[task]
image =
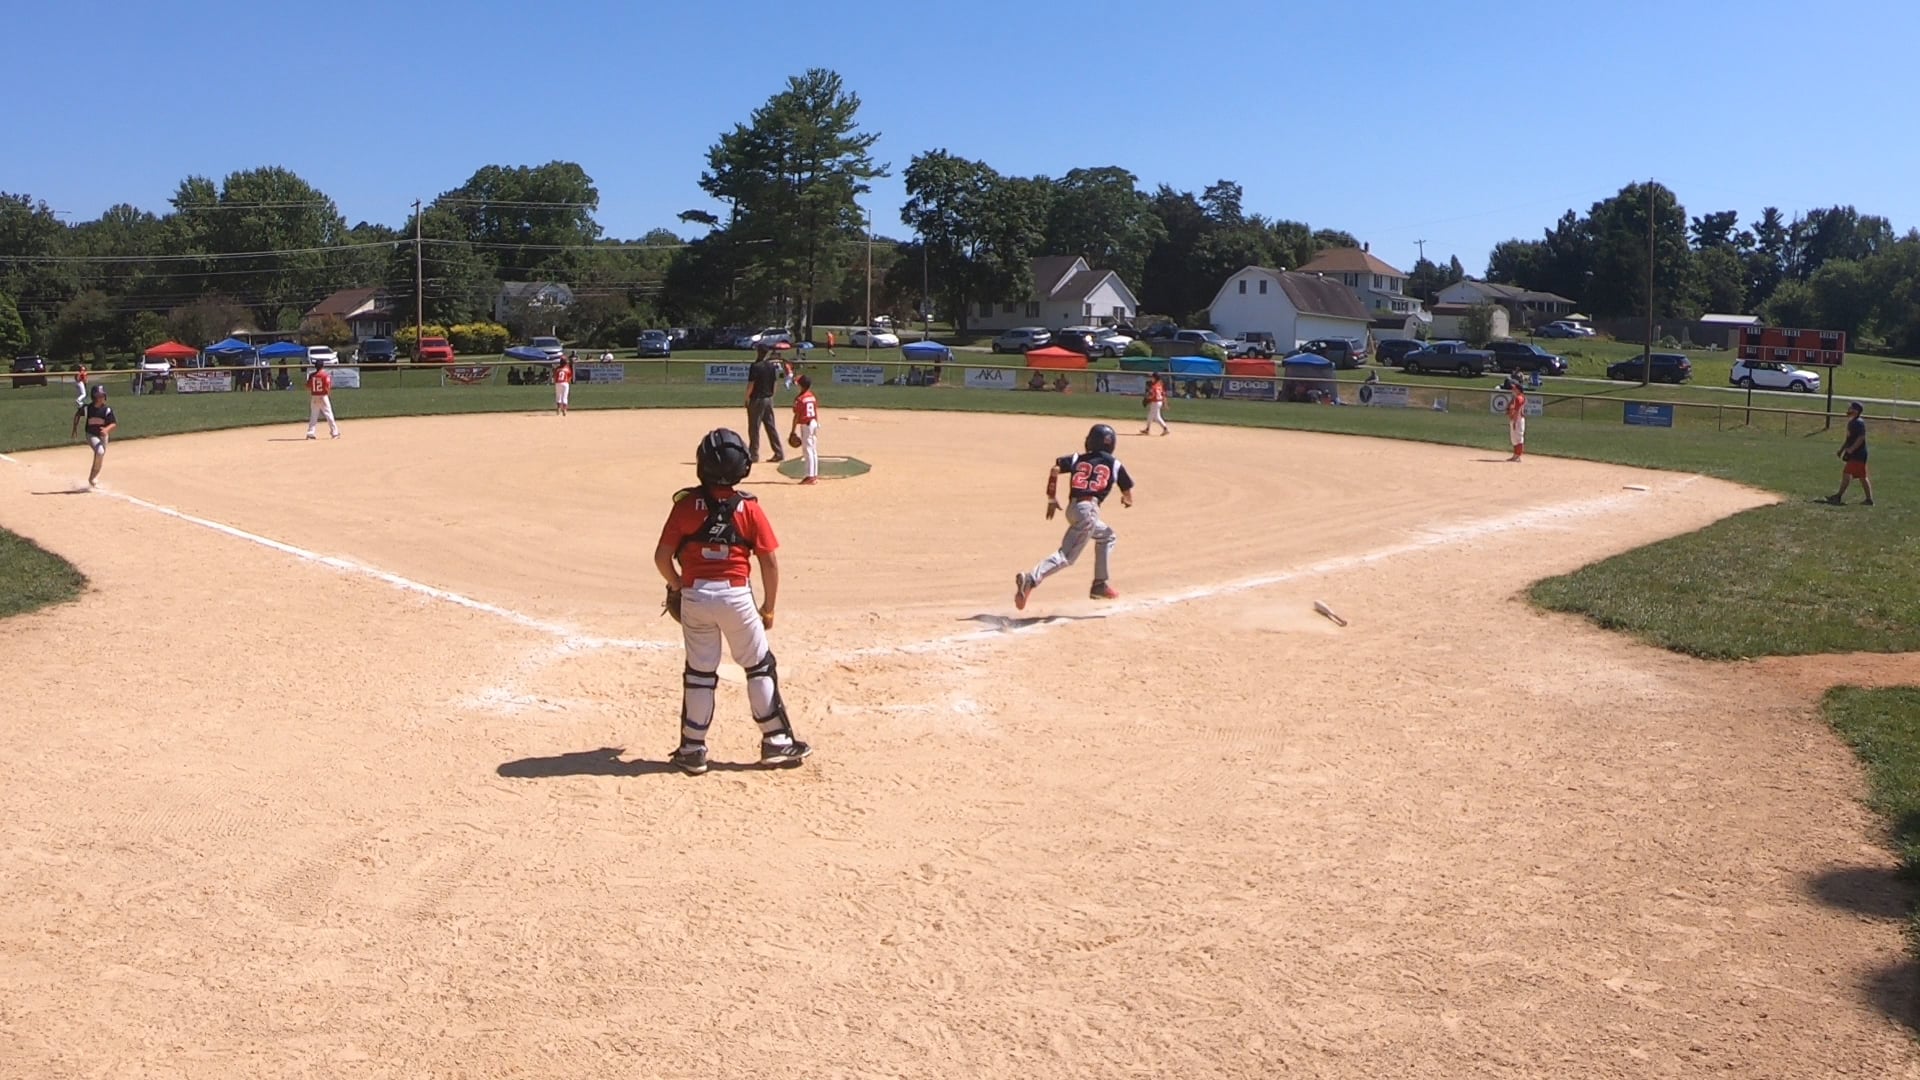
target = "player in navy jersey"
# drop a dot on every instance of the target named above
(101, 424)
(1853, 455)
(1091, 477)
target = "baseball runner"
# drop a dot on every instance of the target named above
(1517, 418)
(805, 435)
(1091, 477)
(1156, 402)
(562, 384)
(1853, 455)
(703, 556)
(100, 424)
(320, 400)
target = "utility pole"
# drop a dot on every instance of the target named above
(1422, 244)
(419, 283)
(926, 296)
(869, 280)
(1646, 351)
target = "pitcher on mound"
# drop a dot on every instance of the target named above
(703, 554)
(1092, 476)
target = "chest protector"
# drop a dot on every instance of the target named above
(719, 528)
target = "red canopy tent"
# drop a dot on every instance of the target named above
(1054, 358)
(171, 350)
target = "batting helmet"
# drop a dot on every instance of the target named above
(722, 458)
(99, 389)
(1101, 439)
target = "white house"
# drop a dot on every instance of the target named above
(532, 303)
(1292, 306)
(1527, 307)
(1066, 292)
(1381, 289)
(1450, 321)
(363, 310)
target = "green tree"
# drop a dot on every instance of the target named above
(1838, 232)
(1845, 296)
(206, 320)
(1716, 230)
(29, 235)
(1767, 261)
(13, 332)
(1476, 326)
(792, 176)
(516, 216)
(1792, 304)
(981, 230)
(1099, 213)
(271, 210)
(458, 284)
(1619, 230)
(87, 329)
(1723, 278)
(1427, 278)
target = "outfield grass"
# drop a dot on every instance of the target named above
(1883, 727)
(32, 577)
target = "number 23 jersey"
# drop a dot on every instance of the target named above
(1094, 475)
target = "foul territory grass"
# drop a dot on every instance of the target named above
(1883, 727)
(32, 577)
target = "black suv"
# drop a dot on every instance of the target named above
(378, 351)
(1514, 357)
(1076, 340)
(1392, 350)
(29, 370)
(1670, 367)
(1339, 350)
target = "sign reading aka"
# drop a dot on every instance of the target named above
(992, 378)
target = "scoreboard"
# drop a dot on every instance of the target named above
(1817, 348)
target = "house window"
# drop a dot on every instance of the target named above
(1379, 282)
(1087, 310)
(1033, 309)
(1119, 312)
(1378, 304)
(1243, 288)
(1008, 308)
(986, 310)
(1263, 286)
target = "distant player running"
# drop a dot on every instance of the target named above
(1156, 402)
(1091, 477)
(320, 400)
(100, 425)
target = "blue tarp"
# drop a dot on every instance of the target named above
(229, 346)
(529, 354)
(1196, 365)
(281, 350)
(1311, 360)
(927, 352)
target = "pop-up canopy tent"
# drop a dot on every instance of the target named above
(284, 350)
(229, 349)
(1195, 365)
(1259, 367)
(527, 354)
(1054, 358)
(171, 350)
(1305, 373)
(1143, 363)
(927, 352)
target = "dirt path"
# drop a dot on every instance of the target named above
(370, 782)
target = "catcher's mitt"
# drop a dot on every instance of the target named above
(672, 603)
(793, 439)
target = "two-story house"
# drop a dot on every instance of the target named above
(365, 311)
(1379, 287)
(1066, 292)
(1525, 307)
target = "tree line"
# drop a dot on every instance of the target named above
(1833, 268)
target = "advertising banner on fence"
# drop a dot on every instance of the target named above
(1640, 414)
(1383, 396)
(1111, 383)
(1250, 389)
(202, 382)
(727, 372)
(466, 375)
(859, 374)
(345, 378)
(992, 379)
(603, 373)
(1497, 405)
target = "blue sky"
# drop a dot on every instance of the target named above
(1461, 124)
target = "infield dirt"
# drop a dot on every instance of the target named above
(369, 779)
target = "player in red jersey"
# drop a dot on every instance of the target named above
(806, 428)
(320, 400)
(562, 384)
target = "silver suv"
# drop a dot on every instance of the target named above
(1022, 339)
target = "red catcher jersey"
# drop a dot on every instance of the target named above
(688, 519)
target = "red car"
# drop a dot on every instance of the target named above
(433, 350)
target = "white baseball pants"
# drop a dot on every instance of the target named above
(321, 406)
(561, 390)
(1083, 524)
(810, 445)
(710, 612)
(1154, 409)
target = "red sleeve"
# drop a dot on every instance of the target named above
(756, 530)
(678, 527)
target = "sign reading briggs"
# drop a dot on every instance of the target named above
(1250, 389)
(1817, 348)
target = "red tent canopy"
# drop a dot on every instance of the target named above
(172, 350)
(1054, 358)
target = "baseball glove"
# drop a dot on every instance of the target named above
(793, 439)
(672, 603)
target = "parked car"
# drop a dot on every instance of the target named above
(1667, 367)
(1160, 331)
(29, 370)
(1078, 341)
(1344, 352)
(655, 343)
(1773, 375)
(1197, 338)
(433, 350)
(1112, 340)
(883, 322)
(1392, 350)
(1447, 356)
(1021, 339)
(324, 354)
(152, 375)
(873, 337)
(1100, 340)
(378, 351)
(1256, 343)
(767, 337)
(549, 345)
(1563, 329)
(1513, 357)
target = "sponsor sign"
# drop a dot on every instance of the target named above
(859, 374)
(1132, 385)
(1497, 405)
(1250, 389)
(1380, 395)
(602, 373)
(345, 378)
(992, 378)
(727, 372)
(1641, 414)
(202, 382)
(465, 375)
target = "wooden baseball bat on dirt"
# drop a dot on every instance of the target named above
(1323, 609)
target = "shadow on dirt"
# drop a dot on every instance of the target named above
(606, 762)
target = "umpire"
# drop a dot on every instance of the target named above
(761, 379)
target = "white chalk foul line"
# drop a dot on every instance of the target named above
(1440, 536)
(569, 636)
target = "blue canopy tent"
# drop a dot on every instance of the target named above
(1307, 377)
(284, 350)
(1193, 376)
(527, 354)
(927, 352)
(229, 353)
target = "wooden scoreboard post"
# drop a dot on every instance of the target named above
(1807, 348)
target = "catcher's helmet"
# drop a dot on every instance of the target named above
(1101, 439)
(722, 458)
